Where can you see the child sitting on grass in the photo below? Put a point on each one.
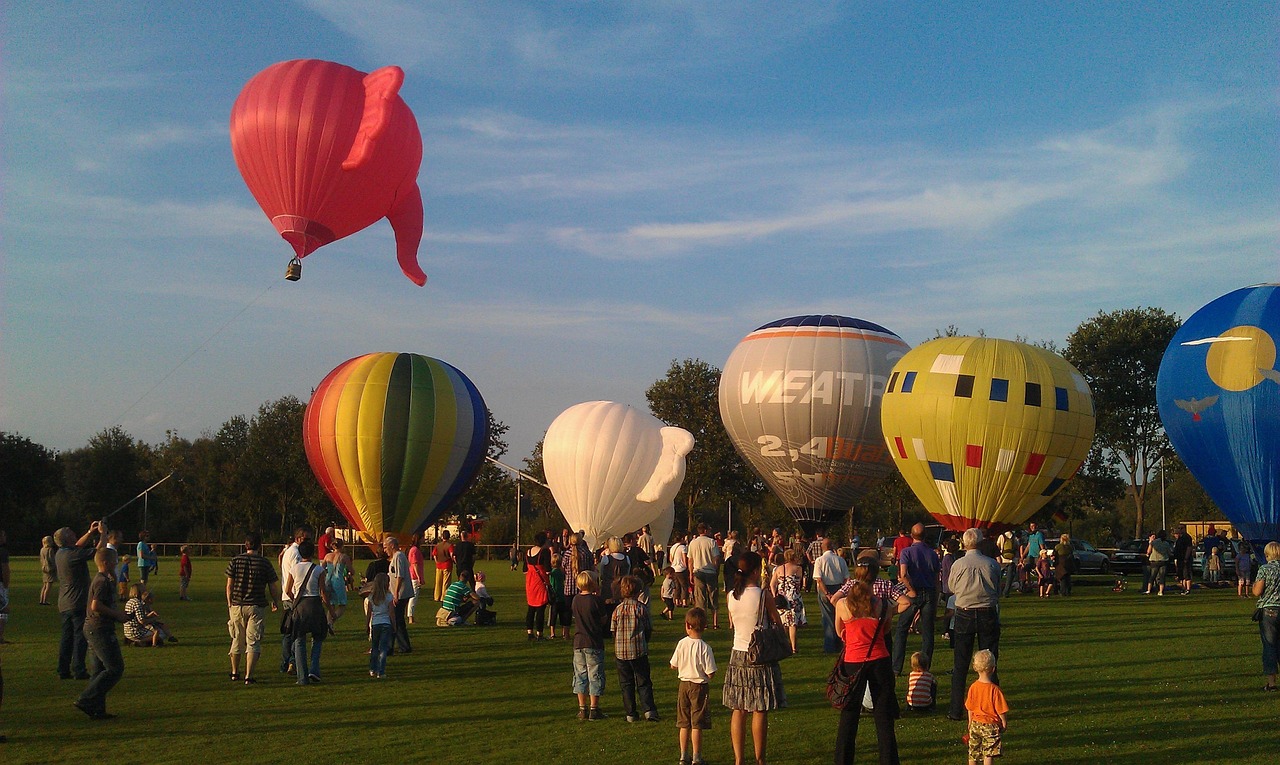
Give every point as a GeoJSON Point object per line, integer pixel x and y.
{"type": "Point", "coordinates": [987, 707]}
{"type": "Point", "coordinates": [922, 687]}
{"type": "Point", "coordinates": [694, 664]}
{"type": "Point", "coordinates": [631, 631]}
{"type": "Point", "coordinates": [588, 645]}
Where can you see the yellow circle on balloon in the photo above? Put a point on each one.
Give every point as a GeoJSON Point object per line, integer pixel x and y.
{"type": "Point", "coordinates": [1235, 364]}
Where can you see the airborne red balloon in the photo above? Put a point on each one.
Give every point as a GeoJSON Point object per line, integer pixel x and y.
{"type": "Point", "coordinates": [327, 151]}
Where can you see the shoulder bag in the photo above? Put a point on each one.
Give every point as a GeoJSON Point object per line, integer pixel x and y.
{"type": "Point", "coordinates": [840, 685]}
{"type": "Point", "coordinates": [286, 621]}
{"type": "Point", "coordinates": [770, 642]}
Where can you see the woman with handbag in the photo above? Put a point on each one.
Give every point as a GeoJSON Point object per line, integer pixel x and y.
{"type": "Point", "coordinates": [751, 689]}
{"type": "Point", "coordinates": [304, 585]}
{"type": "Point", "coordinates": [861, 622]}
{"type": "Point", "coordinates": [537, 585]}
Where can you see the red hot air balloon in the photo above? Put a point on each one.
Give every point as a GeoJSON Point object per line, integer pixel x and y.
{"type": "Point", "coordinates": [327, 151]}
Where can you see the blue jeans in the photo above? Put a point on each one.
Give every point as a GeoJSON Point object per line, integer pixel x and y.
{"type": "Point", "coordinates": [300, 657]}
{"type": "Point", "coordinates": [924, 603]}
{"type": "Point", "coordinates": [73, 647]}
{"type": "Point", "coordinates": [286, 652]}
{"type": "Point", "coordinates": [380, 642]}
{"type": "Point", "coordinates": [830, 641]}
{"type": "Point", "coordinates": [588, 671]}
{"type": "Point", "coordinates": [984, 625]}
{"type": "Point", "coordinates": [106, 663]}
{"type": "Point", "coordinates": [633, 676]}
{"type": "Point", "coordinates": [1267, 628]}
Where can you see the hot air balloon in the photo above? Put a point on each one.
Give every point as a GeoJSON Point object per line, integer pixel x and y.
{"type": "Point", "coordinates": [327, 151]}
{"type": "Point", "coordinates": [613, 468]}
{"type": "Point", "coordinates": [986, 431]}
{"type": "Point", "coordinates": [1218, 390]}
{"type": "Point", "coordinates": [394, 439]}
{"type": "Point", "coordinates": [800, 399]}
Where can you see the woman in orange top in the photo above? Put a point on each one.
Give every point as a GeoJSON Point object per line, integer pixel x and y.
{"type": "Point", "coordinates": [860, 623]}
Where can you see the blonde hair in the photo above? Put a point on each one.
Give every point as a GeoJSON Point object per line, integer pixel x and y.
{"type": "Point", "coordinates": [615, 544]}
{"type": "Point", "coordinates": [920, 662]}
{"type": "Point", "coordinates": [587, 581]}
{"type": "Point", "coordinates": [47, 541]}
{"type": "Point", "coordinates": [1272, 551]}
{"type": "Point", "coordinates": [1065, 539]}
{"type": "Point", "coordinates": [790, 555]}
{"type": "Point", "coordinates": [984, 661]}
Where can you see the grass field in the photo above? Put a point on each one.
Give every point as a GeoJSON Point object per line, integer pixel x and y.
{"type": "Point", "coordinates": [1099, 677]}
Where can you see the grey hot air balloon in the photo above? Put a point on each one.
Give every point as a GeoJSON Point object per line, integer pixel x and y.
{"type": "Point", "coordinates": [800, 398]}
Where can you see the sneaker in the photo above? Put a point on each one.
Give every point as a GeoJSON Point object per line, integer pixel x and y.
{"type": "Point", "coordinates": [90, 711]}
{"type": "Point", "coordinates": [595, 714]}
{"type": "Point", "coordinates": [582, 713]}
{"type": "Point", "coordinates": [631, 718]}
{"type": "Point", "coordinates": [651, 717]}
{"type": "Point", "coordinates": [313, 678]}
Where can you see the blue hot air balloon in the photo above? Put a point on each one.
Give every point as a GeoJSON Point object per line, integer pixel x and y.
{"type": "Point", "coordinates": [1219, 396]}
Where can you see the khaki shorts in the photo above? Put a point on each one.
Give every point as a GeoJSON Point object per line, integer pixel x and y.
{"type": "Point", "coordinates": [693, 709]}
{"type": "Point", "coordinates": [245, 623]}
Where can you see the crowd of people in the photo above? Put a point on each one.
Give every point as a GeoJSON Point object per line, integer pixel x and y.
{"type": "Point", "coordinates": [586, 596]}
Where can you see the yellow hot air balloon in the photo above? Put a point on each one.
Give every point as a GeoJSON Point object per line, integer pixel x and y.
{"type": "Point", "coordinates": [986, 431]}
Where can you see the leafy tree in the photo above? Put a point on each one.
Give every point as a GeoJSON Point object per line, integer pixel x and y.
{"type": "Point", "coordinates": [689, 397]}
{"type": "Point", "coordinates": [281, 486]}
{"type": "Point", "coordinates": [492, 489]}
{"type": "Point", "coordinates": [29, 475]}
{"type": "Point", "coordinates": [1119, 355]}
{"type": "Point", "coordinates": [100, 477]}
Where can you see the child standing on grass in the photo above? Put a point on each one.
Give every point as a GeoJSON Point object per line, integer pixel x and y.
{"type": "Point", "coordinates": [559, 607]}
{"type": "Point", "coordinates": [987, 709]}
{"type": "Point", "coordinates": [381, 611]}
{"type": "Point", "coordinates": [694, 664]}
{"type": "Point", "coordinates": [1044, 572]}
{"type": "Point", "coordinates": [588, 645]}
{"type": "Point", "coordinates": [922, 687]}
{"type": "Point", "coordinates": [631, 631]}
{"type": "Point", "coordinates": [668, 593]}
{"type": "Point", "coordinates": [122, 576]}
{"type": "Point", "coordinates": [184, 572]}
{"type": "Point", "coordinates": [1213, 567]}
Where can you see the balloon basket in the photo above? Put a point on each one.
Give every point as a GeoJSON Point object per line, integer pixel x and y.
{"type": "Point", "coordinates": [293, 271]}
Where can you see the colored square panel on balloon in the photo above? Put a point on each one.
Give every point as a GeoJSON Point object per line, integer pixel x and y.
{"type": "Point", "coordinates": [917, 444]}
{"type": "Point", "coordinates": [1061, 400]}
{"type": "Point", "coordinates": [1032, 395]}
{"type": "Point", "coordinates": [1004, 460]}
{"type": "Point", "coordinates": [1053, 487]}
{"type": "Point", "coordinates": [902, 449]}
{"type": "Point", "coordinates": [893, 380]}
{"type": "Point", "coordinates": [1080, 384]}
{"type": "Point", "coordinates": [973, 455]}
{"type": "Point", "coordinates": [947, 364]}
{"type": "Point", "coordinates": [942, 471]}
{"type": "Point", "coordinates": [908, 382]}
{"type": "Point", "coordinates": [964, 386]}
{"type": "Point", "coordinates": [1034, 463]}
{"type": "Point", "coordinates": [949, 499]}
{"type": "Point", "coordinates": [999, 389]}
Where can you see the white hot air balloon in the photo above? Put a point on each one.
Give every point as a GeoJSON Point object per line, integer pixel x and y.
{"type": "Point", "coordinates": [660, 528]}
{"type": "Point", "coordinates": [613, 468]}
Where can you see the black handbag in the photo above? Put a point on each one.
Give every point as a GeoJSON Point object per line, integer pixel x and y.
{"type": "Point", "coordinates": [286, 621]}
{"type": "Point", "coordinates": [839, 684]}
{"type": "Point", "coordinates": [769, 642]}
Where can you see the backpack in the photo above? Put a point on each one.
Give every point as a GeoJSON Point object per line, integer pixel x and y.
{"type": "Point", "coordinates": [611, 577]}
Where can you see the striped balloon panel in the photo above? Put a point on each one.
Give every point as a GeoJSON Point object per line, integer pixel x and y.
{"type": "Point", "coordinates": [395, 439]}
{"type": "Point", "coordinates": [986, 431]}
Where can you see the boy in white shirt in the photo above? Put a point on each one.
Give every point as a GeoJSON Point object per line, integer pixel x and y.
{"type": "Point", "coordinates": [694, 664]}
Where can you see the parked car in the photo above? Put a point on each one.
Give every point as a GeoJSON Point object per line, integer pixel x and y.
{"type": "Point", "coordinates": [1226, 551]}
{"type": "Point", "coordinates": [1130, 557]}
{"type": "Point", "coordinates": [1091, 561]}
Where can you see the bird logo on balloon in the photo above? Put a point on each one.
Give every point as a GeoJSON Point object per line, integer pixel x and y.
{"type": "Point", "coordinates": [1238, 359]}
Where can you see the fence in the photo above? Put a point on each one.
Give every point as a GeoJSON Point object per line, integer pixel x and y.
{"type": "Point", "coordinates": [272, 551]}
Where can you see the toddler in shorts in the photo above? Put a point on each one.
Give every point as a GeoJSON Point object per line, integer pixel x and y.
{"type": "Point", "coordinates": [987, 707]}
{"type": "Point", "coordinates": [694, 664]}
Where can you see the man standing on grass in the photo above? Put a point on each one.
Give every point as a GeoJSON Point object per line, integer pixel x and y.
{"type": "Point", "coordinates": [72, 563]}
{"type": "Point", "coordinates": [147, 560]}
{"type": "Point", "coordinates": [918, 570]}
{"type": "Point", "coordinates": [100, 620]}
{"type": "Point", "coordinates": [401, 591]}
{"type": "Point", "coordinates": [464, 553]}
{"type": "Point", "coordinates": [830, 572]}
{"type": "Point", "coordinates": [975, 580]}
{"type": "Point", "coordinates": [250, 579]}
{"type": "Point", "coordinates": [704, 562]}
{"type": "Point", "coordinates": [811, 555]}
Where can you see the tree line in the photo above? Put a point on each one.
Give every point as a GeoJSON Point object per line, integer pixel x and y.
{"type": "Point", "coordinates": [252, 472]}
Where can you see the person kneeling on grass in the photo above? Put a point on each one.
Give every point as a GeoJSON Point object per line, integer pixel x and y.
{"type": "Point", "coordinates": [459, 600]}
{"type": "Point", "coordinates": [987, 707]}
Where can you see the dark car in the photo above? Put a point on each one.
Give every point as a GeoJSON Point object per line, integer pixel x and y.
{"type": "Point", "coordinates": [1130, 557]}
{"type": "Point", "coordinates": [1226, 551]}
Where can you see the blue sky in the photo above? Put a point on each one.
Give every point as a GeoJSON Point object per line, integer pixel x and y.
{"type": "Point", "coordinates": [611, 186]}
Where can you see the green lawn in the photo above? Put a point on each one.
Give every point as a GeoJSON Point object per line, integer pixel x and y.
{"type": "Point", "coordinates": [1098, 677]}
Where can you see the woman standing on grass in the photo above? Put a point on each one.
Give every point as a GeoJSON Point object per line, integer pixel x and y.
{"type": "Point", "coordinates": [1158, 552]}
{"type": "Point", "coordinates": [304, 585]}
{"type": "Point", "coordinates": [337, 577]}
{"type": "Point", "coordinates": [787, 584]}
{"type": "Point", "coordinates": [750, 690]}
{"type": "Point", "coordinates": [537, 583]}
{"type": "Point", "coordinates": [48, 569]}
{"type": "Point", "coordinates": [1267, 589]}
{"type": "Point", "coordinates": [1062, 556]}
{"type": "Point", "coordinates": [862, 622]}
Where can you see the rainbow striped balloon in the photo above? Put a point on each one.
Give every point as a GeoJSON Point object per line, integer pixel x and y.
{"type": "Point", "coordinates": [395, 439]}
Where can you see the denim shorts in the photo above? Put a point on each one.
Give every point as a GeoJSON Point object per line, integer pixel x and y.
{"type": "Point", "coordinates": [588, 671]}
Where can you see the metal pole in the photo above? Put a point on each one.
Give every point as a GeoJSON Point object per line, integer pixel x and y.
{"type": "Point", "coordinates": [730, 517]}
{"type": "Point", "coordinates": [1163, 523]}
{"type": "Point", "coordinates": [146, 505]}
{"type": "Point", "coordinates": [517, 511]}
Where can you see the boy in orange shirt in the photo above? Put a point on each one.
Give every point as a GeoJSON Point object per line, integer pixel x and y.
{"type": "Point", "coordinates": [987, 708]}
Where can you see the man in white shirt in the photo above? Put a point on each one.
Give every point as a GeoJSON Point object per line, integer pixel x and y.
{"type": "Point", "coordinates": [830, 572]}
{"type": "Point", "coordinates": [704, 563]}
{"type": "Point", "coordinates": [401, 591]}
{"type": "Point", "coordinates": [680, 568]}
